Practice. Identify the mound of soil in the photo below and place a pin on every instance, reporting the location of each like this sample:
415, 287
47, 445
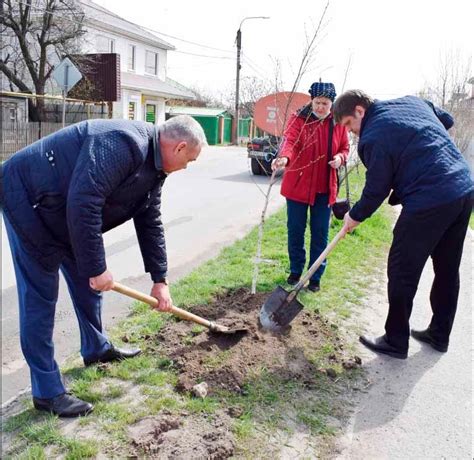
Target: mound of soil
227, 362
171, 437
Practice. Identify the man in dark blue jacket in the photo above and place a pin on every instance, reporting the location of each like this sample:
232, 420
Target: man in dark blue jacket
60, 195
405, 146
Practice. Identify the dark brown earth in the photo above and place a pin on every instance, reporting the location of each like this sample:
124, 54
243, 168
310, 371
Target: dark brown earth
227, 362
230, 362
169, 436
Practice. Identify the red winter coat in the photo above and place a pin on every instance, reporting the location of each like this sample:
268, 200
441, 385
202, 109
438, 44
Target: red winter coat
305, 144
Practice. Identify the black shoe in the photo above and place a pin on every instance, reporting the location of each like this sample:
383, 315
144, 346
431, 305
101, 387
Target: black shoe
314, 286
113, 354
293, 279
380, 345
65, 405
425, 336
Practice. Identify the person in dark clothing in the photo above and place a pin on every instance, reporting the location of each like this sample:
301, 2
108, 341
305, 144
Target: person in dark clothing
60, 194
310, 177
406, 148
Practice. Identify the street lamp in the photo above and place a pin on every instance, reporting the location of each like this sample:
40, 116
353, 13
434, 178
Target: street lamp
237, 80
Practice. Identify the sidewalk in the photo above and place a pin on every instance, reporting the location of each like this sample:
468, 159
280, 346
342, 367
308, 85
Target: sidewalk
419, 408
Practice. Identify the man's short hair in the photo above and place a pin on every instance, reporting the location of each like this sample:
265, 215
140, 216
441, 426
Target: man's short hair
346, 103
184, 128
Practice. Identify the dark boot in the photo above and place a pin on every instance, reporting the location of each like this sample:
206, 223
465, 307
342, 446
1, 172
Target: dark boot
314, 286
426, 337
65, 405
113, 354
380, 345
293, 279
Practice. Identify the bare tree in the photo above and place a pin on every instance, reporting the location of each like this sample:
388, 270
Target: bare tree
201, 99
36, 34
306, 59
449, 90
251, 90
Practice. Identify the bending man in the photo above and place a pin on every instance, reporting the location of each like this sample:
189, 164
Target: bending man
60, 195
405, 146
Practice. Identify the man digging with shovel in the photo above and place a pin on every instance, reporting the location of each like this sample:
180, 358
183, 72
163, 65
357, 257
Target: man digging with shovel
405, 146
59, 195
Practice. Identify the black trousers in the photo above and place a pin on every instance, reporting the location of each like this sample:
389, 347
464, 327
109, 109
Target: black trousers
438, 232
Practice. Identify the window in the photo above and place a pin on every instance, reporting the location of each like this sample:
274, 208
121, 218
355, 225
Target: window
132, 108
12, 111
150, 114
105, 44
131, 57
151, 63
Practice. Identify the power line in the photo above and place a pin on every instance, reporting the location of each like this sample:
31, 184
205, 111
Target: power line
37, 8
157, 32
257, 72
257, 69
203, 55
187, 41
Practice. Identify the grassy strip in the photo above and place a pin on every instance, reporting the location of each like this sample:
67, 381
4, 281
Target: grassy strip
128, 391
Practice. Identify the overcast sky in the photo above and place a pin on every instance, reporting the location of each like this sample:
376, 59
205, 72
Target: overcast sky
395, 46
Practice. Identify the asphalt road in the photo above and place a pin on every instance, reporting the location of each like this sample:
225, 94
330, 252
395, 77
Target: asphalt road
205, 208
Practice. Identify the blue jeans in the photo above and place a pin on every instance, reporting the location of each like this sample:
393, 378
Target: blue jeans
319, 225
37, 297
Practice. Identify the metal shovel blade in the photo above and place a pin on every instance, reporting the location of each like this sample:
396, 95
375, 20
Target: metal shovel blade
220, 329
276, 313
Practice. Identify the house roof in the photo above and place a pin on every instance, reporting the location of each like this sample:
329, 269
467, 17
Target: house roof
102, 18
154, 86
196, 111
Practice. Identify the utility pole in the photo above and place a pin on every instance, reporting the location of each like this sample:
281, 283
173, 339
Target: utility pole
237, 89
238, 40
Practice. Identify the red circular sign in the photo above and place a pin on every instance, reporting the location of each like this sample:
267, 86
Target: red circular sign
272, 112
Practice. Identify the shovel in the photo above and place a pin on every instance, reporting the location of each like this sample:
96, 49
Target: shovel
282, 306
183, 314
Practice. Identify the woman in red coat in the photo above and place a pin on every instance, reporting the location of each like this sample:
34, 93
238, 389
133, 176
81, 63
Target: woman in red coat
310, 178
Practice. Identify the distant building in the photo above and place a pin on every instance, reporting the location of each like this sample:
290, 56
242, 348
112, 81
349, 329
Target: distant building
13, 110
216, 122
143, 64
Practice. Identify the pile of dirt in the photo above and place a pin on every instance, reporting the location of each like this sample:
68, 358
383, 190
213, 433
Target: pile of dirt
182, 437
227, 362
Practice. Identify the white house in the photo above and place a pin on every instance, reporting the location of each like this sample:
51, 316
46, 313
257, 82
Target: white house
143, 60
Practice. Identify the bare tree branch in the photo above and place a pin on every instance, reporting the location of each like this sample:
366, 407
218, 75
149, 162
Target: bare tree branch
449, 90
34, 34
308, 53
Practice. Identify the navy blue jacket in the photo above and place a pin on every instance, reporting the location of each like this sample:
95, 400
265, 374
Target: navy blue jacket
405, 146
63, 191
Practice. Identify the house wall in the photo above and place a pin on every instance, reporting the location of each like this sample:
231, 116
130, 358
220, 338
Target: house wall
121, 47
132, 97
122, 107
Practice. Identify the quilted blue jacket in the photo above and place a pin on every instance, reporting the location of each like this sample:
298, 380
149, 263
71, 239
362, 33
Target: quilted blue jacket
405, 146
64, 191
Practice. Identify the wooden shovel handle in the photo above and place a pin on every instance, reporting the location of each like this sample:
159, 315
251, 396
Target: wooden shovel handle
316, 264
183, 314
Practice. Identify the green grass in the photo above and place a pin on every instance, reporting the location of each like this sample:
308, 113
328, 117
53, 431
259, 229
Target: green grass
34, 452
77, 450
471, 221
44, 431
266, 400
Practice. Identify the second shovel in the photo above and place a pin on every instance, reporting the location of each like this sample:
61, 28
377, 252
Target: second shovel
282, 306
